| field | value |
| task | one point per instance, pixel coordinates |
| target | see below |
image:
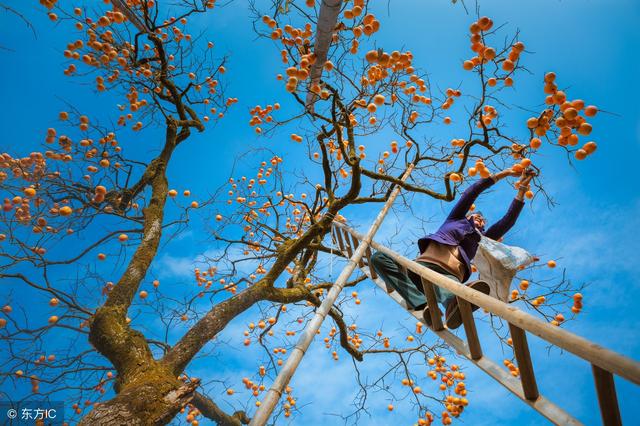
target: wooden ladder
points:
(604, 363)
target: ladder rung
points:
(432, 302)
(356, 243)
(371, 270)
(527, 376)
(607, 398)
(470, 328)
(338, 235)
(347, 242)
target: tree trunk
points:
(155, 399)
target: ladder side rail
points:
(276, 390)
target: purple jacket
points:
(459, 231)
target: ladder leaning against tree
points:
(275, 392)
(604, 363)
(357, 248)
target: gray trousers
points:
(409, 285)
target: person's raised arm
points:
(469, 196)
(501, 227)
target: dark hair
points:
(475, 212)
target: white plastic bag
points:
(498, 263)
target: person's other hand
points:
(504, 173)
(511, 172)
(525, 178)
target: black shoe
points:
(420, 307)
(453, 317)
(426, 316)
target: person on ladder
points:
(450, 250)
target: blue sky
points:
(591, 232)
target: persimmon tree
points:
(83, 202)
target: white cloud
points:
(172, 266)
(175, 266)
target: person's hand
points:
(523, 184)
(525, 178)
